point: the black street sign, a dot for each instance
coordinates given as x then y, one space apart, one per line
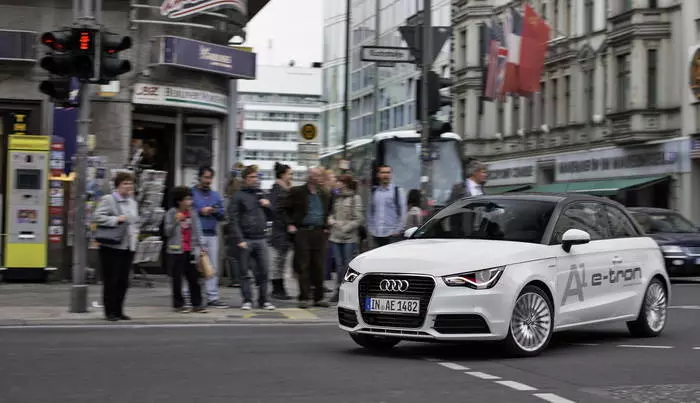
440 35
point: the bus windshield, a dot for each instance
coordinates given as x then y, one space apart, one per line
404 159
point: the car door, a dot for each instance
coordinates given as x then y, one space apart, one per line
624 280
579 300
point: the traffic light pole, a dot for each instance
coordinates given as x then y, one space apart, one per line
426 64
79 290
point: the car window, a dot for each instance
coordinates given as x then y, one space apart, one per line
586 216
620 225
496 219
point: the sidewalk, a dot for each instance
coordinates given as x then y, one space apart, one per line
48 304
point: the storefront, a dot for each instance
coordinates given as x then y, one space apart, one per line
650 175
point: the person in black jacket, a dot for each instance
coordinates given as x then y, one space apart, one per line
247 218
279 239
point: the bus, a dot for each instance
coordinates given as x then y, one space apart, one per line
401 150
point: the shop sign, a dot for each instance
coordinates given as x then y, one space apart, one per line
694 73
182 8
18 45
203 56
512 172
658 159
177 97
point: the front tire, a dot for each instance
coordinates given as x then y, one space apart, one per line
374 343
652 316
531 324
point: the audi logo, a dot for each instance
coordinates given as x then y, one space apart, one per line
393 285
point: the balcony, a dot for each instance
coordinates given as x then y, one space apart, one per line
638 24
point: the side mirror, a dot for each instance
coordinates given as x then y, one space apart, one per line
409 232
574 237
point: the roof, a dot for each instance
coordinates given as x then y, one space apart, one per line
284 80
550 197
652 210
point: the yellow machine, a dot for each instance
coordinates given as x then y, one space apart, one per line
26 210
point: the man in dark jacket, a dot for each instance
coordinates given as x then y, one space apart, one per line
248 221
305 212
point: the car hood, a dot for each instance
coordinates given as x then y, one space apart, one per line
672 238
441 257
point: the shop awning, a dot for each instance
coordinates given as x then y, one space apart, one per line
493 190
608 187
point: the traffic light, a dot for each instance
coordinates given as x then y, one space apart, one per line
72 53
57 88
435 100
111 66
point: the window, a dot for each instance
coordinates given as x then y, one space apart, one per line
555 19
530 115
652 4
589 94
515 119
654 223
589 15
586 216
497 219
567 99
652 78
555 102
568 23
543 103
626 5
623 82
462 48
620 225
500 117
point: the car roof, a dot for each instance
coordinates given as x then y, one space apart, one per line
550 197
650 210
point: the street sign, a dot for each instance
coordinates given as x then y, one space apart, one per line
308 154
440 35
308 131
386 54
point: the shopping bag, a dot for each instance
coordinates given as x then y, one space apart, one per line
205 266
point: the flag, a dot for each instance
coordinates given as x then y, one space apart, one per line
513 31
496 63
533 49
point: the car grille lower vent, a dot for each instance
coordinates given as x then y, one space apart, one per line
460 324
347 317
420 287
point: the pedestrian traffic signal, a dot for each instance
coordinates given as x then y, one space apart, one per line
438 128
111 66
58 89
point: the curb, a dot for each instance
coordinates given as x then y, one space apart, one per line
157 322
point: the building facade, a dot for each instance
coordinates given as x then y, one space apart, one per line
373 22
176 95
275 105
613 104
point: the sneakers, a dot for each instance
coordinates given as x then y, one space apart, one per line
184 309
217 304
267 306
247 306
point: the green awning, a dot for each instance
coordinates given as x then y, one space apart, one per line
608 187
494 190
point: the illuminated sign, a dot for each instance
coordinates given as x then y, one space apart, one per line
183 8
85 41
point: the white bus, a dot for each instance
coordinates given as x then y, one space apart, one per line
401 150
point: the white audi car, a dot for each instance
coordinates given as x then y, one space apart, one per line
514 268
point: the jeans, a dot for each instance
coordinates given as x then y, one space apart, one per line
255 252
343 253
183 265
211 285
279 262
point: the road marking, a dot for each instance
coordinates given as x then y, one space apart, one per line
584 344
162 325
516 385
695 307
552 398
454 366
298 314
696 348
429 359
642 346
483 375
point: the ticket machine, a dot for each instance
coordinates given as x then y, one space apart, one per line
26 210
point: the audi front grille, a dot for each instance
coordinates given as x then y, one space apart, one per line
419 287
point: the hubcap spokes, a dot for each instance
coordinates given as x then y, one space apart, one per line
655 302
531 321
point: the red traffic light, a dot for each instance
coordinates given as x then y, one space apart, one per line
113 43
57 40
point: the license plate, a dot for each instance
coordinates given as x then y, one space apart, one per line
392 305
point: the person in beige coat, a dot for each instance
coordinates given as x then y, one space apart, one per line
345 221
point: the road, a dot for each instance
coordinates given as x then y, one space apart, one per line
314 363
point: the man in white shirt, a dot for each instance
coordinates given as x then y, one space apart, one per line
473 185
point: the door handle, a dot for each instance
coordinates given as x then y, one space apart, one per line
617 260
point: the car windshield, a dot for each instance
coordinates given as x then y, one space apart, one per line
654 223
496 219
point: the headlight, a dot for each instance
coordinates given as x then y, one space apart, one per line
478 280
671 249
350 275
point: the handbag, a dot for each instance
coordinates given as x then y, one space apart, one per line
205 266
362 229
111 235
